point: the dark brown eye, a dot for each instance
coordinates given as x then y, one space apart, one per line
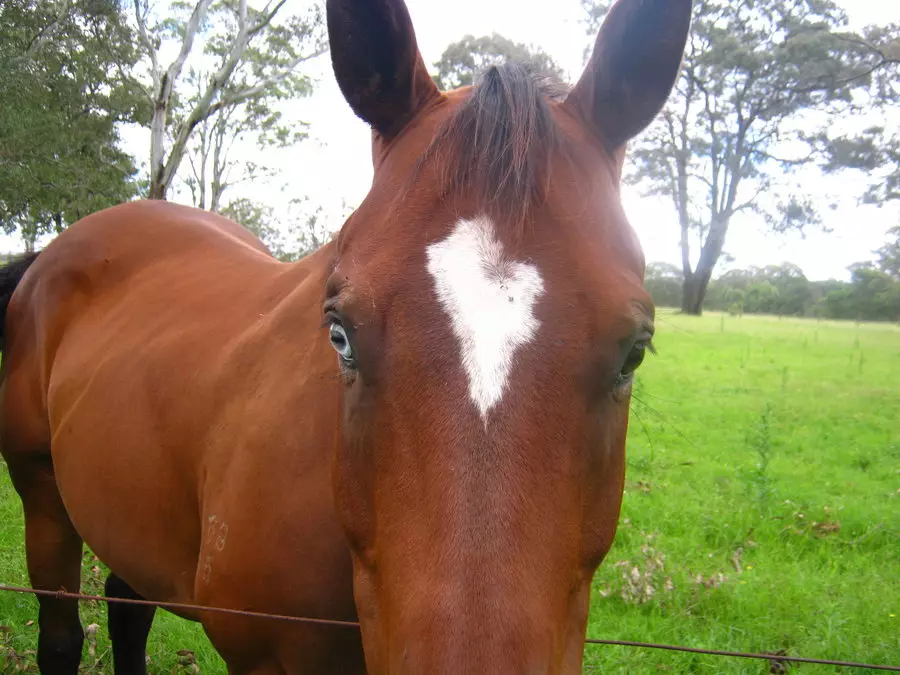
634 360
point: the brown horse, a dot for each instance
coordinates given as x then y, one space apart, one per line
451 476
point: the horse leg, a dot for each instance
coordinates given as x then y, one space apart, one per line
53 550
129 626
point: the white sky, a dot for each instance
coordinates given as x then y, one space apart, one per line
334 166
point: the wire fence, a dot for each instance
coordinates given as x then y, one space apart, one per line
772 658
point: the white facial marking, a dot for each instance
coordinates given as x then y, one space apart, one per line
490 300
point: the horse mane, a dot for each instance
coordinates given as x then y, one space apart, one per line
496 146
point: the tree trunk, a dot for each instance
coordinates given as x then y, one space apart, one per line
157 190
693 292
158 184
696 283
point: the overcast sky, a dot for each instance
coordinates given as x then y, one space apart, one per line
334 165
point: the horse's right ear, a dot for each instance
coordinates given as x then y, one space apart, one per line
377 62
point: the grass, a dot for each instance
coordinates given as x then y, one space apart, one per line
761 513
762 509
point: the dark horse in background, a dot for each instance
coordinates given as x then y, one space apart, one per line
421 425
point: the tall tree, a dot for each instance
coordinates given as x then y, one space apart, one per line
61 98
753 74
462 61
213 165
255 61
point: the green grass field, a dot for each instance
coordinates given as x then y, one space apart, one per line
762 509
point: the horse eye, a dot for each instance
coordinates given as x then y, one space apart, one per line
341 343
635 358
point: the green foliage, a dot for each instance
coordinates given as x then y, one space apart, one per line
208 99
663 282
872 294
258 218
888 256
875 151
775 289
753 73
237 117
306 232
463 61
62 96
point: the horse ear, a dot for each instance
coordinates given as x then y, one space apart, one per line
633 67
377 62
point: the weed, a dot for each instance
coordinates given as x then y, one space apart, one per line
863 463
645 578
759 480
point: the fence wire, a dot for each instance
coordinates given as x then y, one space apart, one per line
773 658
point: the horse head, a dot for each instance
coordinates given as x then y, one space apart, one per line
487 307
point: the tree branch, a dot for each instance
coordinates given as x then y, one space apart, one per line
149 47
266 18
751 203
190 32
201 109
46 33
783 160
242 95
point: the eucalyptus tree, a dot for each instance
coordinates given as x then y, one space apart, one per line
251 57
756 75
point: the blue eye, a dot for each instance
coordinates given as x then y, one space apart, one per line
341 343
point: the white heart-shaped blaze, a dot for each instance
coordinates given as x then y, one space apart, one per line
490 300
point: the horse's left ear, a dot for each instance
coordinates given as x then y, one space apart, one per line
633 67
377 62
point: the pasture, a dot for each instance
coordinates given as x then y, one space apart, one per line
761 512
